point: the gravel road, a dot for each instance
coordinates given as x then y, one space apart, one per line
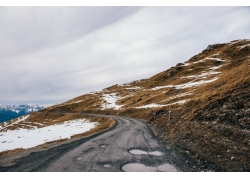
109 151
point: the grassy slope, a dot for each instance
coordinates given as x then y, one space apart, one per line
211 128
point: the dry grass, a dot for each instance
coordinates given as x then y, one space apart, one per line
191 126
8 152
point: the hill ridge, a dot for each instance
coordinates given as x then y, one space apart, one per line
200 108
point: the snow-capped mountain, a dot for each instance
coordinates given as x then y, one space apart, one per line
8 112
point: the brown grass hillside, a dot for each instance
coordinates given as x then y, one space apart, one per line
200 108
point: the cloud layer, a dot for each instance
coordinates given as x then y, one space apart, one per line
51 54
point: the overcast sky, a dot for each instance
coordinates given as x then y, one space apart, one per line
51 54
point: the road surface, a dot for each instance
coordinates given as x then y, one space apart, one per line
128 146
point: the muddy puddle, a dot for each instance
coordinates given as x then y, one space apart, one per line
136 167
103 145
155 153
107 165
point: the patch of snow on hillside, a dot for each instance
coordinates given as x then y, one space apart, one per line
96 92
209 58
18 120
181 102
244 46
202 75
193 84
153 105
186 85
23 138
215 59
162 87
37 123
32 125
135 87
77 101
233 42
124 84
216 67
186 64
202 60
24 125
236 41
109 101
215 54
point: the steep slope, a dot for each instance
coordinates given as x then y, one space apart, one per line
207 74
200 108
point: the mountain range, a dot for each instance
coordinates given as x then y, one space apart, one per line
8 112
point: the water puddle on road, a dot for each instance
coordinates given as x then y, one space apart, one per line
103 145
136 167
107 165
155 153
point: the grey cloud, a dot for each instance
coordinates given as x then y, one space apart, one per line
28 29
88 49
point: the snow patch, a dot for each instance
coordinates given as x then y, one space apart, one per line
23 138
153 105
179 102
161 87
193 84
209 58
20 119
234 42
135 87
216 67
202 75
186 64
244 46
109 101
186 85
203 60
215 54
215 59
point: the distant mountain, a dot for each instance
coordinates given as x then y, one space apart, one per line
8 112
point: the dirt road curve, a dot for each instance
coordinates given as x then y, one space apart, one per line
107 151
